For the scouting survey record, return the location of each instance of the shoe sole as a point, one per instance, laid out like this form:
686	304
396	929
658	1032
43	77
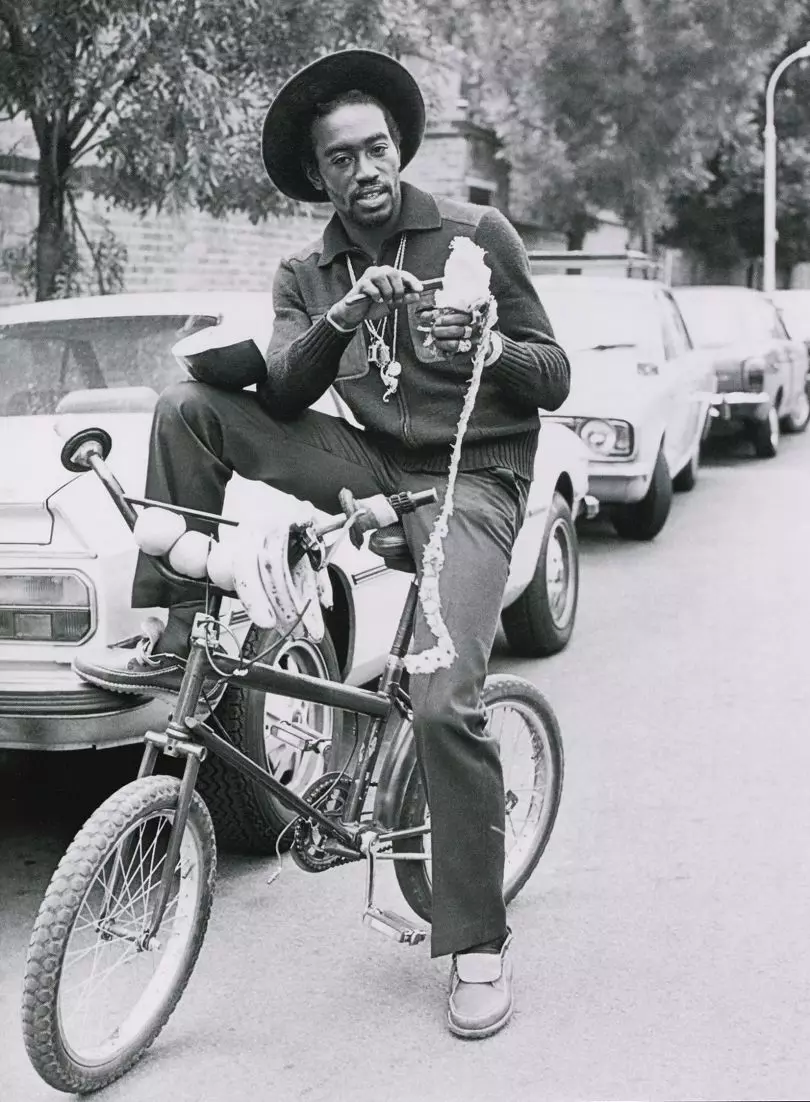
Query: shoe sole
159	692
484	1031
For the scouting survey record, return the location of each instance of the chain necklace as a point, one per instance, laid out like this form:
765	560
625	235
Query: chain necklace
379	354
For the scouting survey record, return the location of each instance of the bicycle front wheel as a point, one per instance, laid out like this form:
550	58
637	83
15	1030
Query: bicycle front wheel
95	994
528	734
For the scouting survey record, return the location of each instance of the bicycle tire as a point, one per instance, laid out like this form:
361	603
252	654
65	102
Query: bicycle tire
148	803
248	819
547	749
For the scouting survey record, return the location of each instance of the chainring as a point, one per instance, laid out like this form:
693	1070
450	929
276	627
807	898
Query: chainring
328	794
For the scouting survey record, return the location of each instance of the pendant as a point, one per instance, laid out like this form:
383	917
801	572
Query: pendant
390	376
378	353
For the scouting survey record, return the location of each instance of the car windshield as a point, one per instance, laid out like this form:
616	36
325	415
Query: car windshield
796	315
585	318
42	362
714	320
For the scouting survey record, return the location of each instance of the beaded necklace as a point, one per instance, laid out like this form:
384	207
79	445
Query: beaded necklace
379	354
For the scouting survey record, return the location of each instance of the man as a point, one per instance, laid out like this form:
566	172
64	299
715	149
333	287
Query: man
349	312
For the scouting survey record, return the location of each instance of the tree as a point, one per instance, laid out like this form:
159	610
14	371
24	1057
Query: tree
722	221
161	100
609	103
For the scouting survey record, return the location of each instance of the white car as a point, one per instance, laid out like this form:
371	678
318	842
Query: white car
67	558
640	393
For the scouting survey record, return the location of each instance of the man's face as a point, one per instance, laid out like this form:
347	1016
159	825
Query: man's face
358	164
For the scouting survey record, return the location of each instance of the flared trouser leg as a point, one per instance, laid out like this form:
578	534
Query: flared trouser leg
201	435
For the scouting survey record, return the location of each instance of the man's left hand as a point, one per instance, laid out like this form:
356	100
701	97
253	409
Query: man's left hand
453	332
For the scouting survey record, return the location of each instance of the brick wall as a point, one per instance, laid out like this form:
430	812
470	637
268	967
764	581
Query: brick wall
193	251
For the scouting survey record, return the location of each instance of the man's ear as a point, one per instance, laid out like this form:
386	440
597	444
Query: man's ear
314	177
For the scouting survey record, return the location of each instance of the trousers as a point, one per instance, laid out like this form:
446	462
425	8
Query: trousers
201	435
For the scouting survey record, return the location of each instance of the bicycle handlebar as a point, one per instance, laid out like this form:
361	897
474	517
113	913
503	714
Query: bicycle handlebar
88	450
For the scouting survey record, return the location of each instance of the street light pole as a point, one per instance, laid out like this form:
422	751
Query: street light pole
769	133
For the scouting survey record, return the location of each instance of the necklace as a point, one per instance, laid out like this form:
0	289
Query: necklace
385	360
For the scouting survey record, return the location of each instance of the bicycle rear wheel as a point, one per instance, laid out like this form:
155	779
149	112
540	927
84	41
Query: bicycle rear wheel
528	733
95	997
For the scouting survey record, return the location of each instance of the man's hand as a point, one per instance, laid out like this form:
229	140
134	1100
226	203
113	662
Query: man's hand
452	331
375	294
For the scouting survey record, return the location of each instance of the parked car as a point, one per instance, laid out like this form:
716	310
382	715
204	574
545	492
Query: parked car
639	396
761	372
67	559
794	310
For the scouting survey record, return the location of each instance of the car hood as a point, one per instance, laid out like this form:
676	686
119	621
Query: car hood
616	383
36	487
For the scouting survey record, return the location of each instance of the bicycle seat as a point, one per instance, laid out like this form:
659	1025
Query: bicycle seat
392	547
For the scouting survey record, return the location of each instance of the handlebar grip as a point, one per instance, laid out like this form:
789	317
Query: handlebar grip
407	502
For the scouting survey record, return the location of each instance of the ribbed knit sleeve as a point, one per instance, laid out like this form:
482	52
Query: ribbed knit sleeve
533	370
303	358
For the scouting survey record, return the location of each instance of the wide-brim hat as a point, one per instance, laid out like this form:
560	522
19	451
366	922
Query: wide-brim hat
285	134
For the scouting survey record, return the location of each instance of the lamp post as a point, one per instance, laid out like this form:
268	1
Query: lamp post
769	133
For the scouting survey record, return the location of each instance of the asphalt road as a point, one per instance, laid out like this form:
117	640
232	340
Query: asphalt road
661	947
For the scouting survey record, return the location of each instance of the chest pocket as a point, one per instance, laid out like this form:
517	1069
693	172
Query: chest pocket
418	328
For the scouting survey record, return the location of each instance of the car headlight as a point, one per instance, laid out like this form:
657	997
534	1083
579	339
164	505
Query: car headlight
607	437
754	374
45	608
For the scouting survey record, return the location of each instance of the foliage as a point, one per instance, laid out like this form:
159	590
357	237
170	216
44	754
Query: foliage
612	103
723	220
164	99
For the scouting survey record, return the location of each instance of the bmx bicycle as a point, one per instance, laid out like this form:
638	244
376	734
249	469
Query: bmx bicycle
123	919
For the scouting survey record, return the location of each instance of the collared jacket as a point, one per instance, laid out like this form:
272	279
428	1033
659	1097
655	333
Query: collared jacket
419	423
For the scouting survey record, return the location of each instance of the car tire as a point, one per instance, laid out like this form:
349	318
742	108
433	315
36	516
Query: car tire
765	435
686	479
247	818
540	622
643	520
799	418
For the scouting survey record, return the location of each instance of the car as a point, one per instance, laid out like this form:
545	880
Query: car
761	372
67	558
794	310
640	391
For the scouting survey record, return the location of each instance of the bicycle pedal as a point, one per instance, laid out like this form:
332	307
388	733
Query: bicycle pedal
393	926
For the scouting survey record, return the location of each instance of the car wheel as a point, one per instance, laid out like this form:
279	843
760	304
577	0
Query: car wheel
765	435
539	623
686	479
247	818
799	418
644	519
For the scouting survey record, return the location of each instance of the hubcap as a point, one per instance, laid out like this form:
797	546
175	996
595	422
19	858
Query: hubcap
559	573
293	767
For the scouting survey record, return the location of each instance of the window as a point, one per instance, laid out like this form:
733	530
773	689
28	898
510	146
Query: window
676	339
481	196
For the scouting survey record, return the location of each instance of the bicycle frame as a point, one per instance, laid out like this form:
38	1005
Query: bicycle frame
193	738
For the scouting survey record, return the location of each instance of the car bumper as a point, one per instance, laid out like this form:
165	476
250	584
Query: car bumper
51	708
619	483
740	405
588	507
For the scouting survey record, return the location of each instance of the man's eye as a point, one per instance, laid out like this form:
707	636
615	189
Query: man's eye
380	150
341	162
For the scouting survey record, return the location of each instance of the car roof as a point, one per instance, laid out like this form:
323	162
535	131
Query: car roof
148	304
792	292
596	283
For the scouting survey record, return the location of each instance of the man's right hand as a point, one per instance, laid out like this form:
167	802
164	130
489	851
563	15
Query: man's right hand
375	294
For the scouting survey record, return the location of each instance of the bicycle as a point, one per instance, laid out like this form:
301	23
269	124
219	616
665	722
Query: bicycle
128	906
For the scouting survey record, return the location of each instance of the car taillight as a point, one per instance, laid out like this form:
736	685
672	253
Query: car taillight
45	608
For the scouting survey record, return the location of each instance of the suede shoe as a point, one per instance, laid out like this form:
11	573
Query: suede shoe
136	666
481	1000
